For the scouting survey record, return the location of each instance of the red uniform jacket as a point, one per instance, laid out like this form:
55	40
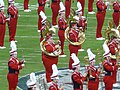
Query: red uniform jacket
77	79
2	18
116	6
94	72
12	11
53	86
62	23
56	1
73	35
113	48
101	7
108	67
93	77
82	23
14	65
50	47
41	2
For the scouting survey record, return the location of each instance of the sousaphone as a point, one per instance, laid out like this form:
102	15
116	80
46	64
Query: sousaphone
58	50
81	37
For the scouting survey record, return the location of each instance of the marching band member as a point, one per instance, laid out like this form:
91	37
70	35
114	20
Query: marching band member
31	83
47	59
13	18
90	7
74	37
14	65
108	68
114	47
2	25
55	78
26	6
115	15
41	7
100	15
82	2
67	8
62	24
93	72
77	77
55	6
42	29
81	23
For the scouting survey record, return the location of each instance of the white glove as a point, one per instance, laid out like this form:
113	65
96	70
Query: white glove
107	3
23	65
8	19
55	53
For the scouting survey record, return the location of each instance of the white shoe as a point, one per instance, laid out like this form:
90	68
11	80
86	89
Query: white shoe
81	50
55	26
91	12
62	55
101	38
2	47
116	85
38	30
27	10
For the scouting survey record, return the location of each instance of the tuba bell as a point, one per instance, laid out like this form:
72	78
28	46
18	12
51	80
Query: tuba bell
54	54
81	37
111	32
57	51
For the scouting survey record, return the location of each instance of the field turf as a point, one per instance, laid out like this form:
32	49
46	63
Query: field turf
28	41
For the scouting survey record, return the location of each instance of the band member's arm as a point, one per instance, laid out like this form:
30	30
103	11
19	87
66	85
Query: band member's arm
11	11
2	21
109	67
61	24
115	6
52	88
101	6
42	2
14	66
98	72
78	79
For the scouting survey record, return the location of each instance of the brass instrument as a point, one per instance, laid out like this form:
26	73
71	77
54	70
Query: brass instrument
111	32
81	37
118	28
54	54
48	26
72	14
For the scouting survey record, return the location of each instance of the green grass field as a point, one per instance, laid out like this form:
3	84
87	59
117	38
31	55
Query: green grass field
28	41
